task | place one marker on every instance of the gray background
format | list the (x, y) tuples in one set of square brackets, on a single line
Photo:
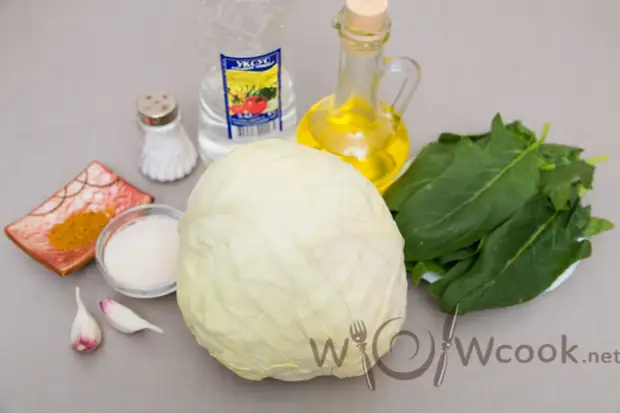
[(70, 72)]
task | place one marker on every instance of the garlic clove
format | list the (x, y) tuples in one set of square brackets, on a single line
[(123, 319), (85, 332)]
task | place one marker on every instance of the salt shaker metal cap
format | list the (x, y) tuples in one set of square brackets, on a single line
[(157, 109)]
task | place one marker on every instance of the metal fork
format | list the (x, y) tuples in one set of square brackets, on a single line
[(448, 336), (359, 334)]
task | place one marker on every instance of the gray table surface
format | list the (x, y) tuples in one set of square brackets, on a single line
[(70, 72)]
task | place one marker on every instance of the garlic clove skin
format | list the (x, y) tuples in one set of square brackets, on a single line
[(85, 332), (123, 319)]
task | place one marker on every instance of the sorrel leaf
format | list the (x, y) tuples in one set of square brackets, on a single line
[(480, 189)]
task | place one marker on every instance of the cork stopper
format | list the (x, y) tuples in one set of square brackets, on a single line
[(367, 15), (362, 25)]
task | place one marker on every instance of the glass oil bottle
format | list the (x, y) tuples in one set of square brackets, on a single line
[(354, 123)]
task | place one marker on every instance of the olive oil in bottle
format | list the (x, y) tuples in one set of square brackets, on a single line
[(354, 123)]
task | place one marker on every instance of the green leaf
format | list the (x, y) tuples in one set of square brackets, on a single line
[(521, 258), (514, 127), (424, 267), (460, 254), (409, 265), (546, 166), (500, 212), (580, 189), (435, 267), (578, 217), (431, 162), (560, 196), (559, 184), (596, 160), (559, 154), (453, 138), (597, 226), (585, 250), (480, 189), (438, 288), (518, 128)]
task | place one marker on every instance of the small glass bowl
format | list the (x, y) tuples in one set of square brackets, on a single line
[(119, 222)]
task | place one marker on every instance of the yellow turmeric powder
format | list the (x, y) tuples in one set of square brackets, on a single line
[(78, 230)]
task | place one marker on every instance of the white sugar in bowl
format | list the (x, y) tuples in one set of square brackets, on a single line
[(137, 251)]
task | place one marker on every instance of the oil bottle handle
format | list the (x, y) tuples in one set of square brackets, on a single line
[(413, 74)]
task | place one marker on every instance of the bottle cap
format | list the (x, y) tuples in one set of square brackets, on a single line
[(363, 34), (157, 109), (367, 15)]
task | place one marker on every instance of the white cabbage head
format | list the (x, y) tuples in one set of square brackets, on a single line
[(283, 246)]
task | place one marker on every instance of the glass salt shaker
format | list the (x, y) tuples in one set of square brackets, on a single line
[(167, 153)]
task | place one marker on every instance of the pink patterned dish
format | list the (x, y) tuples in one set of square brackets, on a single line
[(95, 189)]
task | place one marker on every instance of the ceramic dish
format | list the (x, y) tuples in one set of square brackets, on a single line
[(96, 190), (117, 224)]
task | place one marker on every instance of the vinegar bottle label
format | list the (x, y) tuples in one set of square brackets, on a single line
[(253, 100)]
